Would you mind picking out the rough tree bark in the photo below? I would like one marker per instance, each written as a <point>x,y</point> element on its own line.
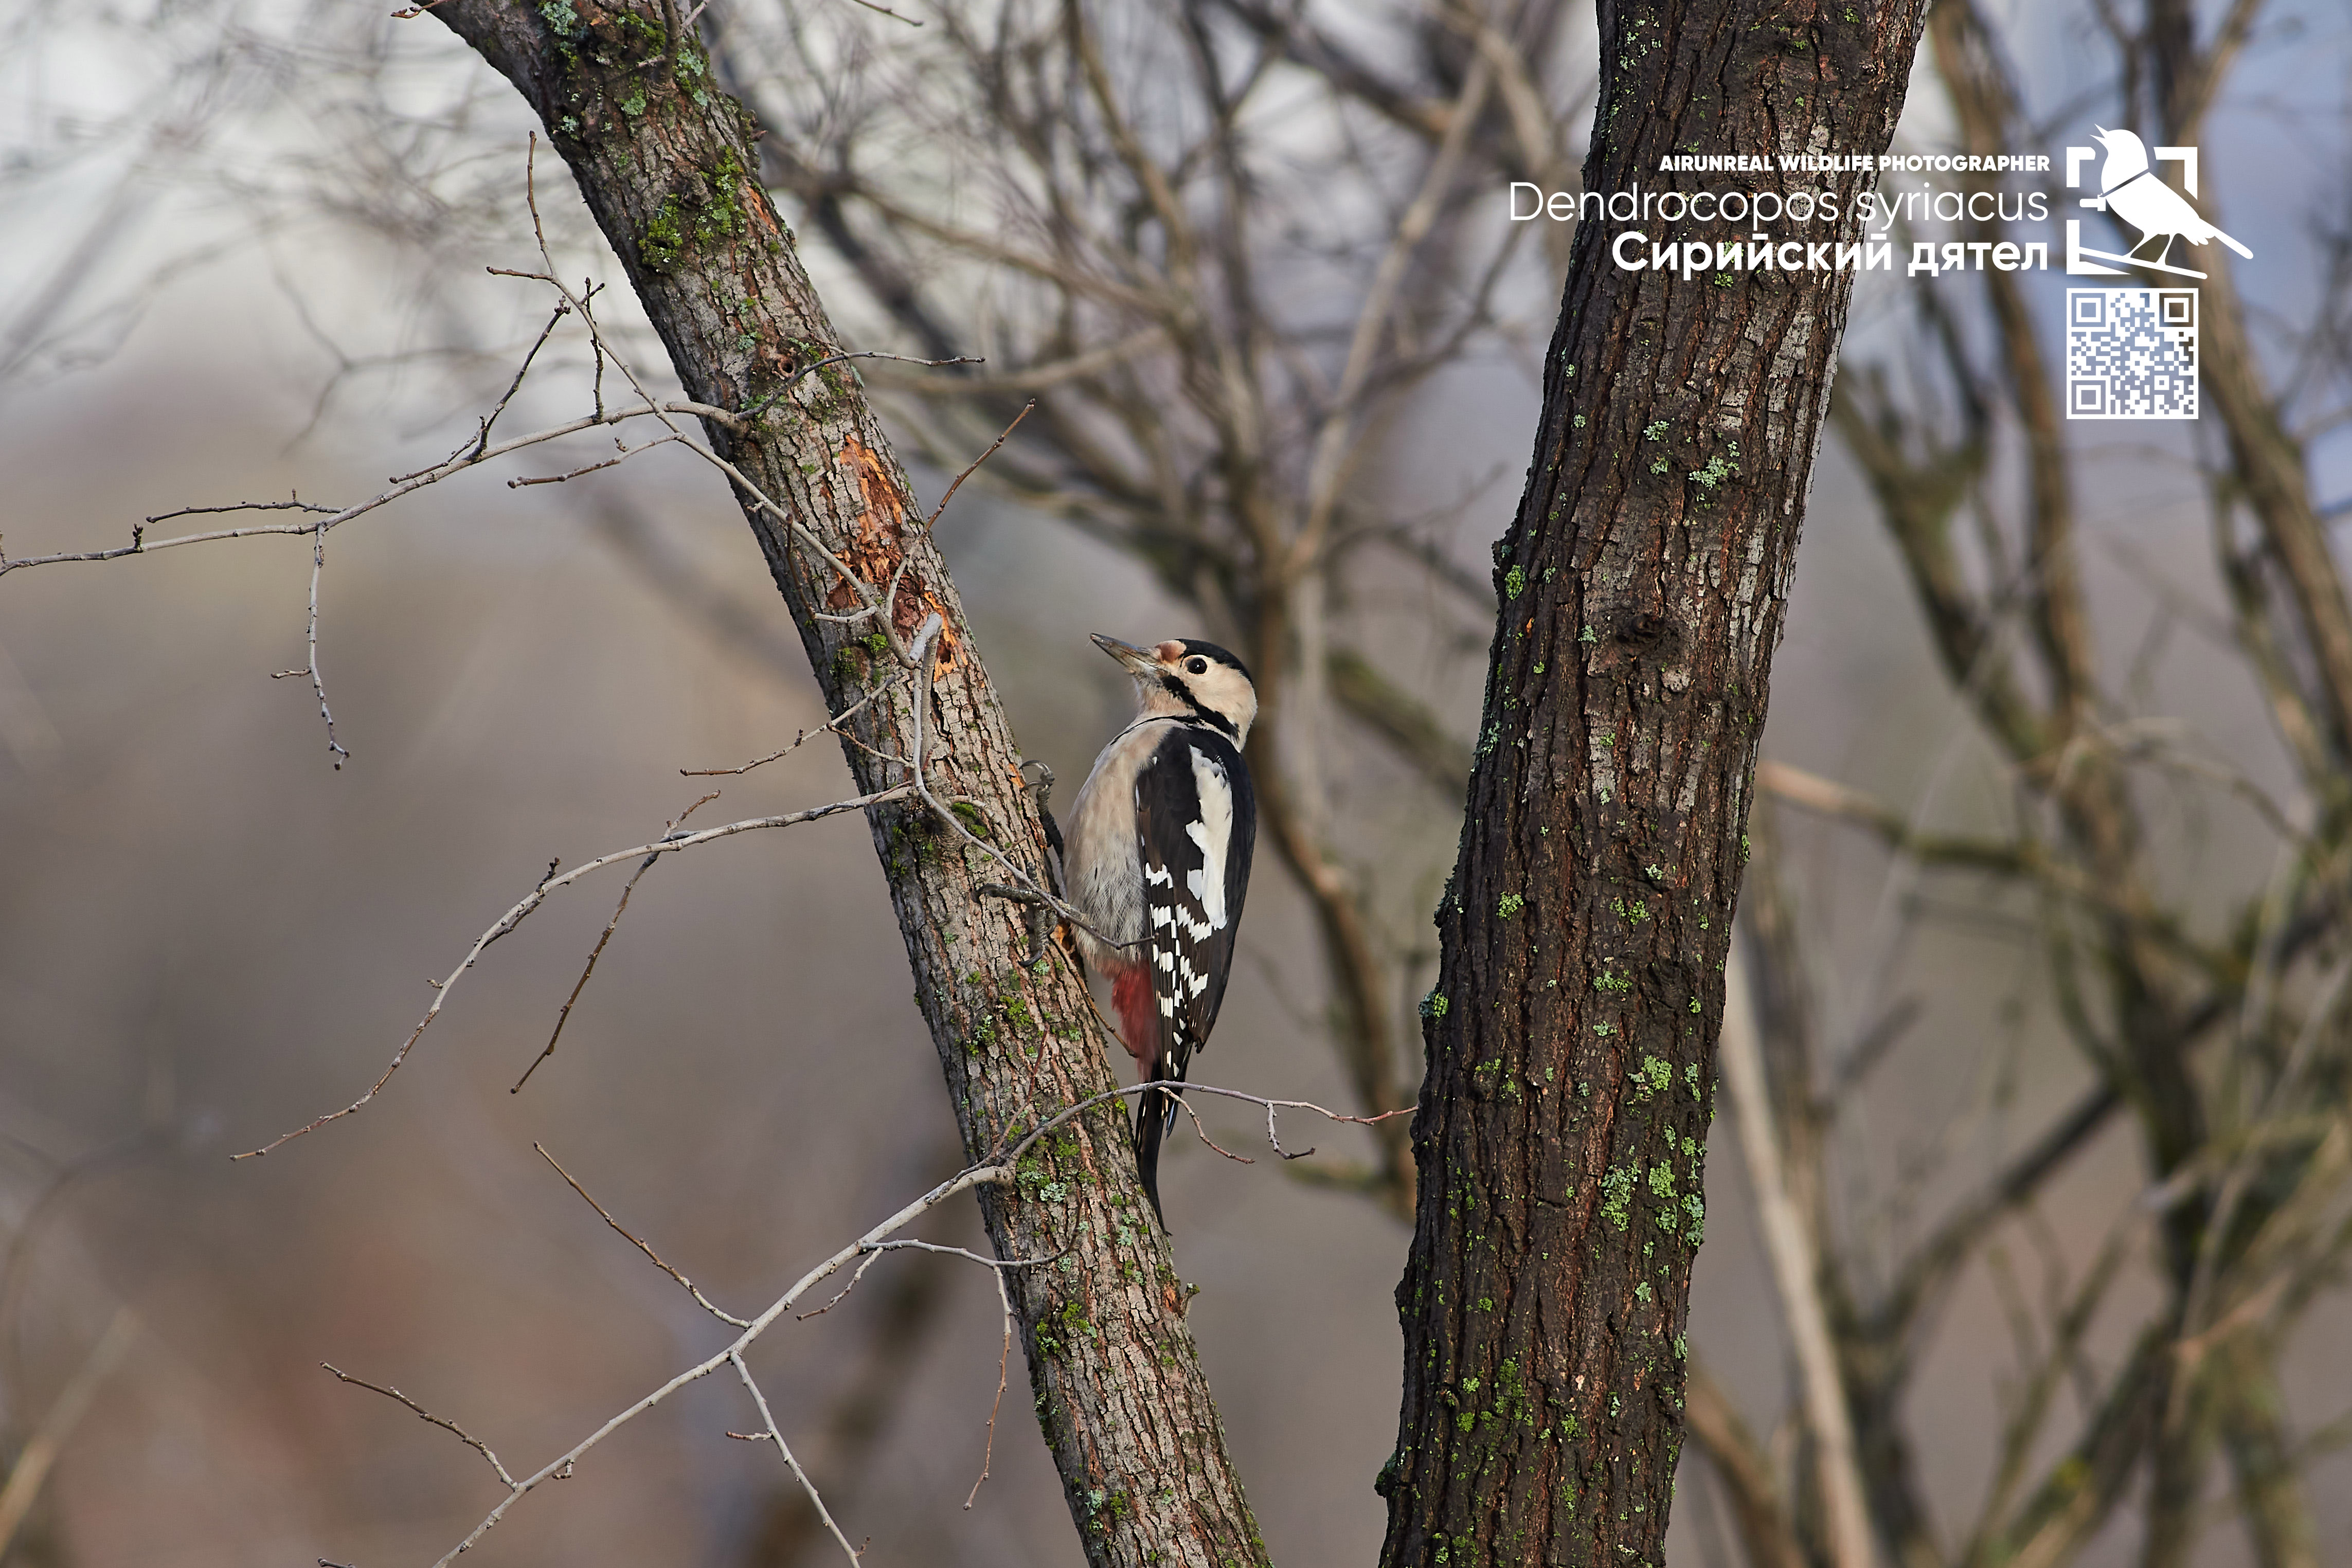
<point>666,162</point>
<point>1571,1036</point>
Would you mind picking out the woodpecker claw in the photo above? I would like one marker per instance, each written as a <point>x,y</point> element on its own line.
<point>1041,791</point>
<point>1039,910</point>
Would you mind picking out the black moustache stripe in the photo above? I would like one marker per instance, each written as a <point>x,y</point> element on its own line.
<point>1213,719</point>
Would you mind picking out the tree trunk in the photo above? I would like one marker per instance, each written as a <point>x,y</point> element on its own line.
<point>1570,1036</point>
<point>667,164</point>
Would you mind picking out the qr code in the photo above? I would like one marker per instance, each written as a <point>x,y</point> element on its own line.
<point>2131,353</point>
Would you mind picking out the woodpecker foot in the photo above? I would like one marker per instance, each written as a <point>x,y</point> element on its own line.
<point>1040,790</point>
<point>1040,915</point>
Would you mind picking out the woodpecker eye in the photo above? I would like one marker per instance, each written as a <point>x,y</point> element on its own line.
<point>1197,665</point>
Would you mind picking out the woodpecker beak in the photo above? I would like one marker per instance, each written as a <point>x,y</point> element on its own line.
<point>1139,661</point>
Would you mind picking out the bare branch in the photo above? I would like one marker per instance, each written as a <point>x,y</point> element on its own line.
<point>522,911</point>
<point>1796,1272</point>
<point>634,1240</point>
<point>1328,465</point>
<point>776,1437</point>
<point>932,521</point>
<point>1004,1367</point>
<point>141,545</point>
<point>318,682</point>
<point>561,1465</point>
<point>832,725</point>
<point>598,952</point>
<point>424,1415</point>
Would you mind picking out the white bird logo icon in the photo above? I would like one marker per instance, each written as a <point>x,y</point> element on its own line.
<point>2129,190</point>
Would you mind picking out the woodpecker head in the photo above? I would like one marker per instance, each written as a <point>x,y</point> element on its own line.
<point>1188,679</point>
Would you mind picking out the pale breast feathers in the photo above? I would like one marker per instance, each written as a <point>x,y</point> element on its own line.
<point>1104,867</point>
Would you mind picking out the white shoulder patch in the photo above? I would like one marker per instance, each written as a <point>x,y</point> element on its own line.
<point>1212,833</point>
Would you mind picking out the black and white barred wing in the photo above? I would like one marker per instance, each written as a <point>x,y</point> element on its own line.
<point>1196,820</point>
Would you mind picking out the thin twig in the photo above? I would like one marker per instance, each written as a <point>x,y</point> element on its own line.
<point>857,585</point>
<point>995,1172</point>
<point>832,724</point>
<point>751,415</point>
<point>318,684</point>
<point>879,1248</point>
<point>1302,1154</point>
<point>1034,376</point>
<point>482,440</point>
<point>1038,906</point>
<point>855,1275</point>
<point>1011,1153</point>
<point>932,521</point>
<point>141,545</point>
<point>963,1181</point>
<point>525,483</point>
<point>293,505</point>
<point>424,1415</point>
<point>565,1014</point>
<point>870,6</point>
<point>831,359</point>
<point>1004,1367</point>
<point>908,1245</point>
<point>639,1243</point>
<point>776,1437</point>
<point>736,422</point>
<point>522,911</point>
<point>1170,1092</point>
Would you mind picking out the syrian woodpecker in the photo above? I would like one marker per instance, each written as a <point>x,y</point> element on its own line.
<point>1157,859</point>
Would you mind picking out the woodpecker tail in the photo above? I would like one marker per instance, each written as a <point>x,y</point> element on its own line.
<point>1155,1113</point>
